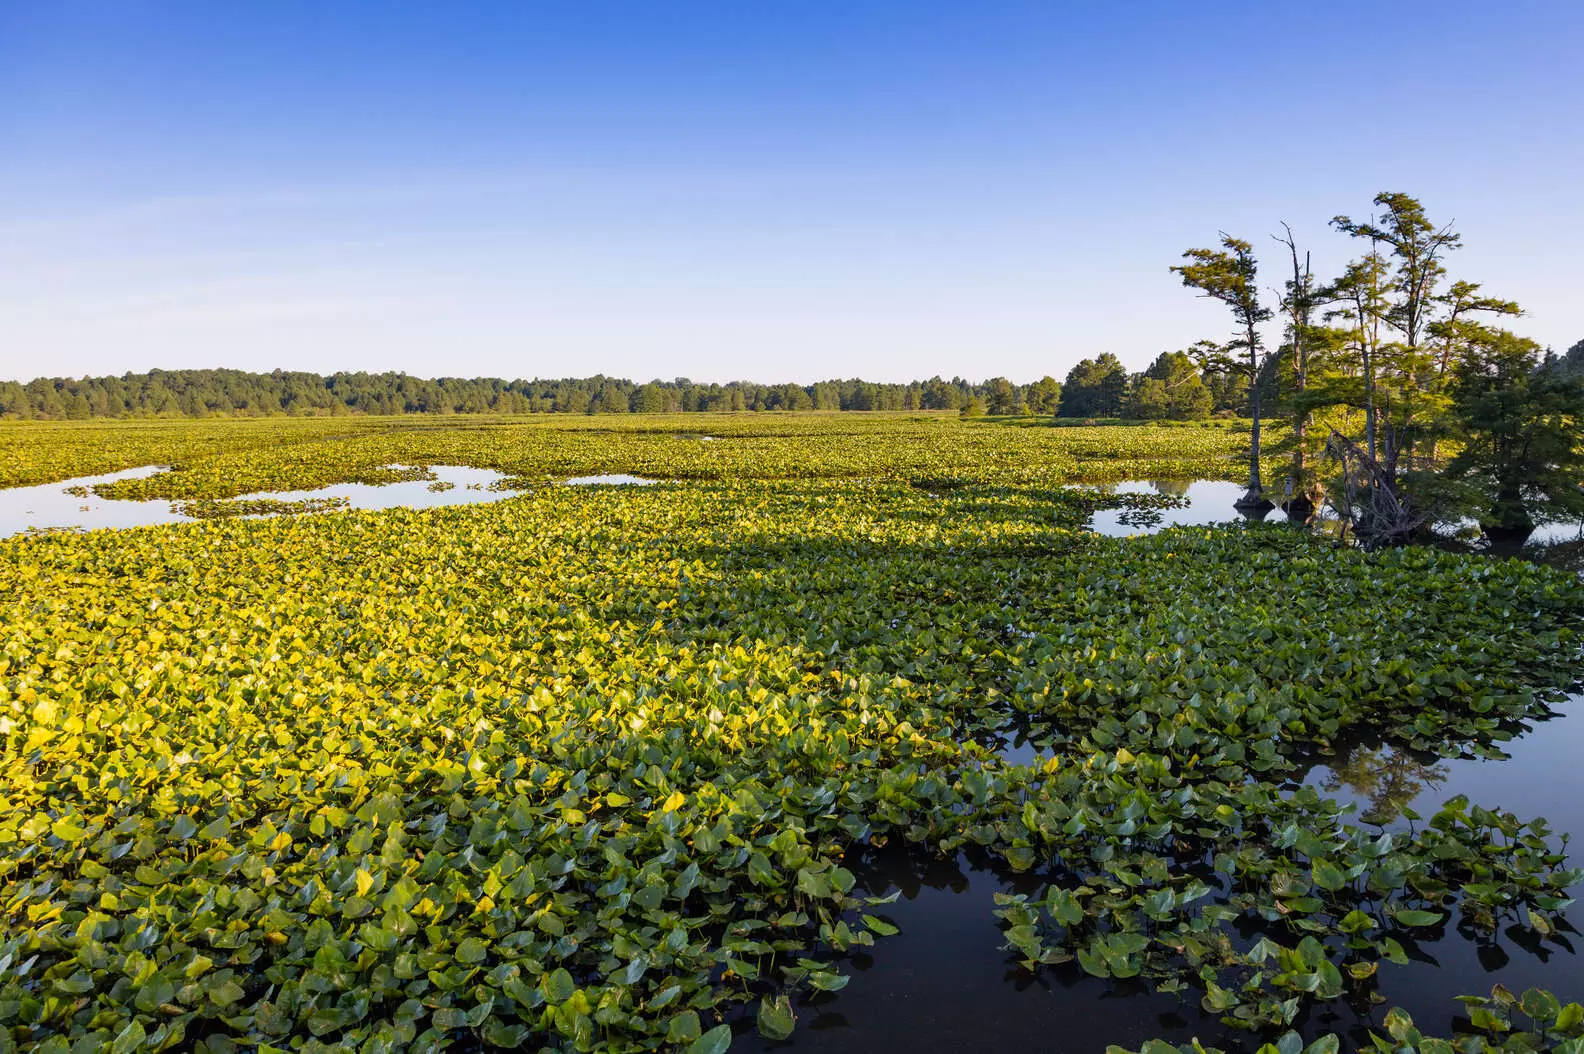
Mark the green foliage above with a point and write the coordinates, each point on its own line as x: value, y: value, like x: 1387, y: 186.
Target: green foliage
x: 1571, y: 363
x: 1488, y: 1029
x: 1521, y: 431
x: 1230, y: 276
x: 582, y: 770
x: 1094, y: 388
x: 1171, y: 389
x: 209, y: 508
x: 226, y: 458
x: 204, y: 393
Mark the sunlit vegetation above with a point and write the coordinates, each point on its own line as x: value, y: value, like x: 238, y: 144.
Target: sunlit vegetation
x: 1409, y: 404
x: 583, y: 768
x: 212, y: 509
x: 205, y: 393
x: 226, y: 458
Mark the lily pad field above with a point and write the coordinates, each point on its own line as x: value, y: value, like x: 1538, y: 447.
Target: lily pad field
x: 666, y: 767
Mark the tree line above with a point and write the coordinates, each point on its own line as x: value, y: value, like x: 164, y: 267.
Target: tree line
x: 1170, y: 388
x: 201, y: 393
x: 1407, y: 402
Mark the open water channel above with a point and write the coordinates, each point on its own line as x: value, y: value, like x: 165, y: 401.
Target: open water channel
x: 71, y: 504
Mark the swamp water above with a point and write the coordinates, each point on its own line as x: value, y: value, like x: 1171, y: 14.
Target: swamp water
x: 51, y: 506
x: 944, y: 984
x: 1205, y: 502
x: 54, y: 506
x: 610, y: 479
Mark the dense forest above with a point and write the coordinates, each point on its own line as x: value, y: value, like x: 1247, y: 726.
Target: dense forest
x: 1178, y: 385
x: 201, y: 393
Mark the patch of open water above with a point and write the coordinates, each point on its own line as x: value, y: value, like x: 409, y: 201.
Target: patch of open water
x: 944, y: 984
x: 1539, y: 778
x: 611, y: 479
x: 1211, y: 501
x: 51, y: 506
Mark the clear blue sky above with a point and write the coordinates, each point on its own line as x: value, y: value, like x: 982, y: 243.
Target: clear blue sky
x: 772, y: 190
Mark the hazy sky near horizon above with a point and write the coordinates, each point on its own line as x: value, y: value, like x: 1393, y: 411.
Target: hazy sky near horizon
x: 776, y: 190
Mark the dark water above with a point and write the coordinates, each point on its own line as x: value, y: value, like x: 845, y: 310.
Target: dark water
x: 942, y: 984
x: 49, y: 506
x: 1540, y: 778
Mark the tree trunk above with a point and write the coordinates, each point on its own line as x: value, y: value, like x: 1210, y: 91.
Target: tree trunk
x: 1369, y: 404
x: 1510, y: 516
x: 1254, y: 498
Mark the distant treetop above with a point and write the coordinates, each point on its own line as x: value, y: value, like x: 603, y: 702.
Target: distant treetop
x: 202, y: 393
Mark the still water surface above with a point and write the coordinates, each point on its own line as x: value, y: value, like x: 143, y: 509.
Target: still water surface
x: 943, y: 984
x: 610, y: 479
x: 50, y: 506
x: 1208, y: 501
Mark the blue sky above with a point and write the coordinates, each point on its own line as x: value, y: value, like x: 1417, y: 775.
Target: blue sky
x: 775, y: 190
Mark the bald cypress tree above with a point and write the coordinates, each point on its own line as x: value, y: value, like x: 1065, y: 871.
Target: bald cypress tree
x: 1229, y: 275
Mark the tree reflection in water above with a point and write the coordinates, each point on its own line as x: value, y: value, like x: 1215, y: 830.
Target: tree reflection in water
x: 1384, y: 780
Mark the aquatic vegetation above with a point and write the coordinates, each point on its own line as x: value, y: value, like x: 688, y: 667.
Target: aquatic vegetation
x: 1331, y: 902
x: 211, y: 509
x: 1546, y: 1024
x: 228, y: 458
x: 585, y: 770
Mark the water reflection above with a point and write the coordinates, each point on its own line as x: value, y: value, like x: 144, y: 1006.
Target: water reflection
x: 1535, y: 779
x: 72, y: 504
x: 1208, y: 502
x: 944, y: 983
x: 442, y: 485
x: 616, y: 479
x: 1382, y: 781
x: 1211, y: 502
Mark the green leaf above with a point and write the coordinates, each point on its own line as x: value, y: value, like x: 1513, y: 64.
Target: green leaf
x: 1412, y: 917
x: 156, y: 990
x: 68, y: 830
x: 775, y: 1017
x: 1327, y: 875
x: 880, y: 926
x: 558, y: 986
x: 1540, y: 1005
x: 715, y: 1041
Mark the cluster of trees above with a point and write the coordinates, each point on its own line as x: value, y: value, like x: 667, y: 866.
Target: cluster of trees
x: 1404, y: 395
x: 1174, y: 387
x: 200, y: 393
